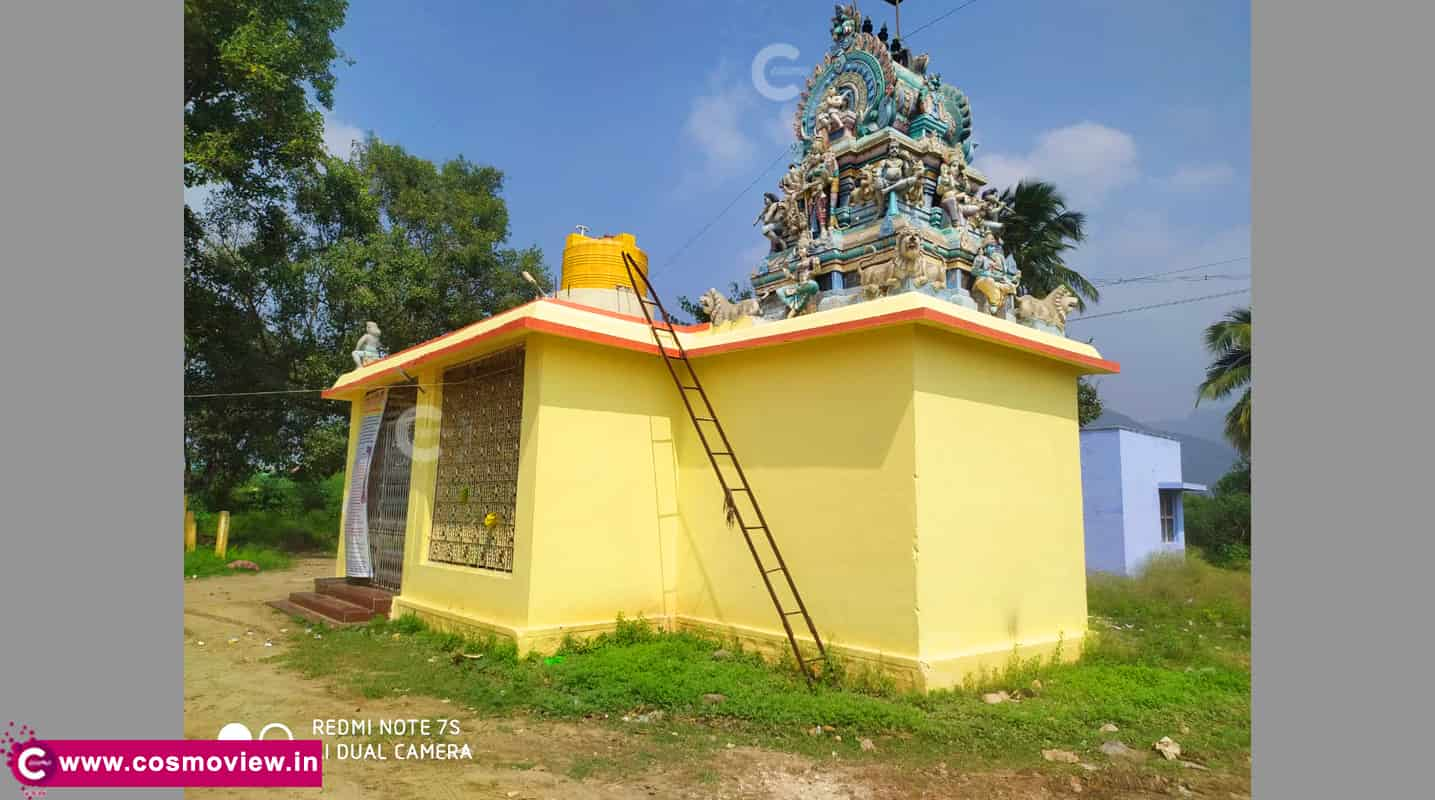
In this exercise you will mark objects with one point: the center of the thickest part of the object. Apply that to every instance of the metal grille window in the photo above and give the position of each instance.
(1168, 515)
(477, 481)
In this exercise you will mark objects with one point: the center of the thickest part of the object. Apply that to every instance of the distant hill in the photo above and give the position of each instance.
(1206, 422)
(1203, 460)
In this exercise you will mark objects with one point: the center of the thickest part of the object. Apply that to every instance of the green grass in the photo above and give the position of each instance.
(203, 563)
(1168, 649)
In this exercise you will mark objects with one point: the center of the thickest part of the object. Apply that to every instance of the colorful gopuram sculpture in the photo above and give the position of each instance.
(882, 196)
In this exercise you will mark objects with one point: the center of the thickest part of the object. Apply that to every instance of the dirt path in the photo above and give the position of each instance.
(517, 757)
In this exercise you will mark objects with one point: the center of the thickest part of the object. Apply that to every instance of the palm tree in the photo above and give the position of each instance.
(1036, 233)
(1229, 342)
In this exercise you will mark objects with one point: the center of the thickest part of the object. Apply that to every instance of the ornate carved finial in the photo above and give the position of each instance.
(845, 21)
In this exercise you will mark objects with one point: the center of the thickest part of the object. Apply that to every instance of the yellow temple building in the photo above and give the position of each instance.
(904, 410)
(894, 444)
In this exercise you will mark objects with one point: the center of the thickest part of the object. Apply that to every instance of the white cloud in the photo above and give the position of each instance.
(1087, 161)
(1143, 241)
(1202, 176)
(715, 124)
(340, 136)
(780, 126)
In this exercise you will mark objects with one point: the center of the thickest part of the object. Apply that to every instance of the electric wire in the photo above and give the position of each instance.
(1115, 281)
(934, 21)
(1183, 301)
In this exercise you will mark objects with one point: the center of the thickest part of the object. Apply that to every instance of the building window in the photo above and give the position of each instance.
(477, 482)
(1169, 499)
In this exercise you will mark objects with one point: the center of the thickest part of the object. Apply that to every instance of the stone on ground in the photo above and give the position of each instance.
(1169, 749)
(1118, 749)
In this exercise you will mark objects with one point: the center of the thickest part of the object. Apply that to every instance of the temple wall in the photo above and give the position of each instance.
(824, 429)
(604, 510)
(1000, 547)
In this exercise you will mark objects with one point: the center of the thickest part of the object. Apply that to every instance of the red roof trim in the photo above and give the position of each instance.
(522, 324)
(917, 315)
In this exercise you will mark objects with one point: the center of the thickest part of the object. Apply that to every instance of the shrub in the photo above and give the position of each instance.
(287, 530)
(1220, 526)
(324, 494)
(274, 511)
(267, 492)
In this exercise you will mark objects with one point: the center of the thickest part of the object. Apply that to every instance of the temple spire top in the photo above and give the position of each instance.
(897, 9)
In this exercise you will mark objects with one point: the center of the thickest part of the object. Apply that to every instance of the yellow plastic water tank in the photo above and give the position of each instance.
(597, 263)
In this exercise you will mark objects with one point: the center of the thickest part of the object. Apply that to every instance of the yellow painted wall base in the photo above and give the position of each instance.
(543, 640)
(906, 672)
(950, 671)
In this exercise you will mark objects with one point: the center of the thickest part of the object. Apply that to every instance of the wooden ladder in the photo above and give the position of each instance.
(700, 411)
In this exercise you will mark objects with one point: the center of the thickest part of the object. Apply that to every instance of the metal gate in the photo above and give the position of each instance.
(389, 487)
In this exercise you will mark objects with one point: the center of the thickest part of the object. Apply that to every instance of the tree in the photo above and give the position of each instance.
(276, 294)
(1220, 525)
(1237, 481)
(1229, 343)
(1037, 232)
(296, 249)
(250, 67)
(1088, 402)
(419, 249)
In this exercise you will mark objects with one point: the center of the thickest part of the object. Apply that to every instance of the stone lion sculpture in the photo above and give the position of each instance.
(722, 310)
(866, 189)
(880, 278)
(1051, 309)
(915, 265)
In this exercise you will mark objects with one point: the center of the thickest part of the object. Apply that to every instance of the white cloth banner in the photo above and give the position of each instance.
(356, 512)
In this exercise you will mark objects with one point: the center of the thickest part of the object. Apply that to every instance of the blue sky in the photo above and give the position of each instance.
(644, 117)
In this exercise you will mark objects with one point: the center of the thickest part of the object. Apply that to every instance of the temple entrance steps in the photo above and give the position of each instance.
(337, 602)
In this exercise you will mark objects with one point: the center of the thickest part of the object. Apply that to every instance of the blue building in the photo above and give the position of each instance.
(1131, 491)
